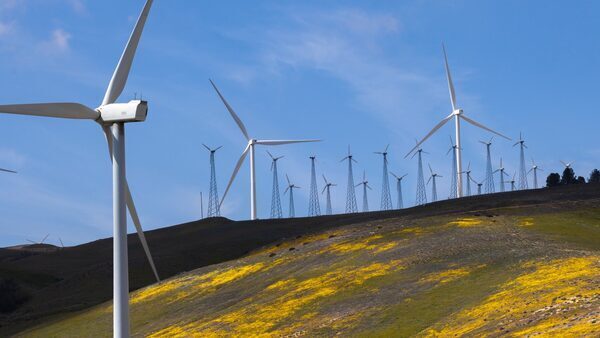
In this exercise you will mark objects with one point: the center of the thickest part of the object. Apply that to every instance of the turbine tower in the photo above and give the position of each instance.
(457, 114)
(433, 185)
(502, 172)
(453, 183)
(479, 184)
(214, 209)
(469, 178)
(512, 182)
(489, 172)
(249, 149)
(421, 193)
(365, 184)
(350, 195)
(386, 197)
(535, 169)
(291, 188)
(112, 117)
(399, 189)
(201, 206)
(314, 207)
(275, 199)
(327, 189)
(522, 171)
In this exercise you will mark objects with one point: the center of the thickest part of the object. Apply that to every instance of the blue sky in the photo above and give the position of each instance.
(347, 72)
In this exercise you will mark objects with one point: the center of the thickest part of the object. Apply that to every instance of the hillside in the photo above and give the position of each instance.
(517, 263)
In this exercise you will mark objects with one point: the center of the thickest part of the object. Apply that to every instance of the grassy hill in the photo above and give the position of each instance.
(519, 263)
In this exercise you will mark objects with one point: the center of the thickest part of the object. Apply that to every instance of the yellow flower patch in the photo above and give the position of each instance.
(549, 284)
(262, 319)
(466, 222)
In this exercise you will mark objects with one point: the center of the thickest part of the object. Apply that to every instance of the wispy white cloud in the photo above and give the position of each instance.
(57, 43)
(349, 44)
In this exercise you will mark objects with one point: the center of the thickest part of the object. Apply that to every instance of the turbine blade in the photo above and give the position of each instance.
(438, 126)
(324, 179)
(231, 112)
(394, 175)
(140, 231)
(477, 124)
(324, 188)
(119, 78)
(61, 110)
(235, 171)
(288, 179)
(132, 210)
(281, 142)
(8, 171)
(205, 146)
(430, 170)
(449, 78)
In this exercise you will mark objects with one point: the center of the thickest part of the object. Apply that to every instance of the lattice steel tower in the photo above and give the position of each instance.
(350, 195)
(214, 208)
(275, 199)
(314, 207)
(327, 188)
(291, 188)
(399, 189)
(522, 171)
(453, 185)
(469, 179)
(386, 197)
(489, 172)
(421, 193)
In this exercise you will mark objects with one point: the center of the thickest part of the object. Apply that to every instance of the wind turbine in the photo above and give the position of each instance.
(512, 182)
(365, 185)
(453, 182)
(214, 209)
(421, 192)
(112, 117)
(469, 178)
(399, 189)
(291, 188)
(457, 114)
(327, 188)
(502, 174)
(522, 171)
(535, 169)
(489, 173)
(40, 242)
(479, 184)
(350, 193)
(386, 197)
(567, 164)
(275, 199)
(249, 148)
(433, 185)
(314, 206)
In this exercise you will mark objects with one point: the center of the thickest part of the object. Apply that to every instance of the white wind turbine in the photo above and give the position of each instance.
(111, 117)
(327, 188)
(433, 183)
(457, 114)
(249, 148)
(567, 164)
(399, 189)
(291, 186)
(535, 168)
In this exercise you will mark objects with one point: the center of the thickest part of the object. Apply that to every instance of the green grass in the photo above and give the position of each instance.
(426, 308)
(581, 227)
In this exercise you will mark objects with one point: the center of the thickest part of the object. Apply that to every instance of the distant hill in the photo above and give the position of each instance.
(427, 269)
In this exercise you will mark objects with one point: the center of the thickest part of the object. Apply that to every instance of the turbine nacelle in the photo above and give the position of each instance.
(133, 111)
